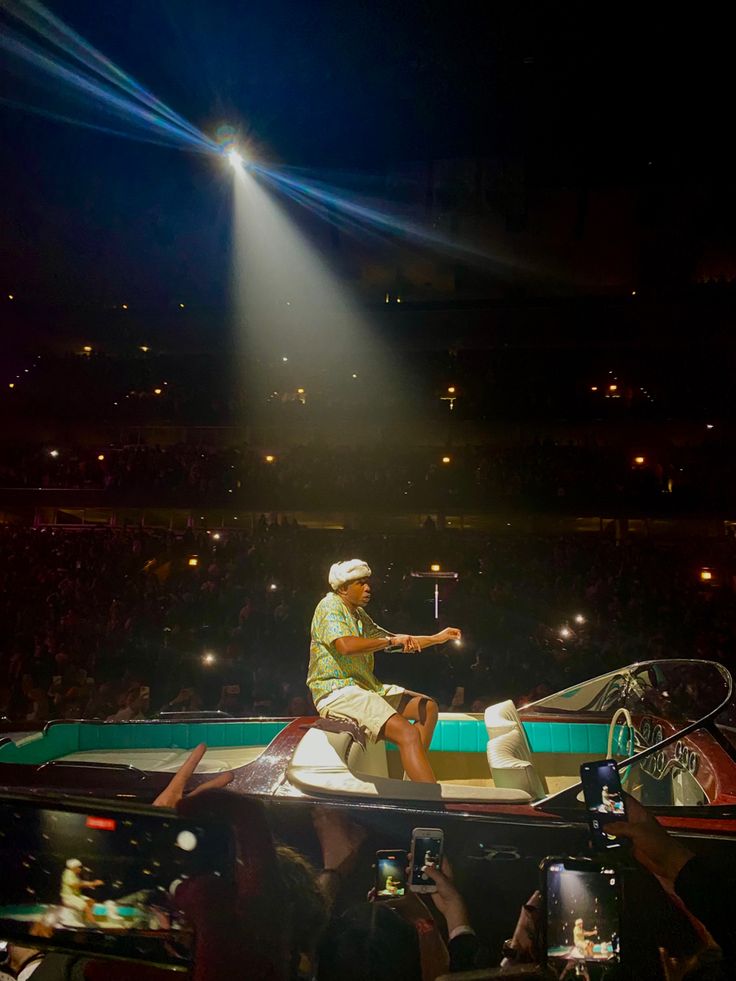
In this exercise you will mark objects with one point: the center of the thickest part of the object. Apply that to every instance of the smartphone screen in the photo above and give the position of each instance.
(86, 877)
(583, 901)
(426, 850)
(390, 874)
(604, 800)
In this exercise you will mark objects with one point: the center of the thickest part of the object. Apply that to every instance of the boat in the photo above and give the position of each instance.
(508, 794)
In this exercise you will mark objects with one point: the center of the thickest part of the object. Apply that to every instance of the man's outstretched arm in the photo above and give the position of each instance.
(366, 645)
(431, 640)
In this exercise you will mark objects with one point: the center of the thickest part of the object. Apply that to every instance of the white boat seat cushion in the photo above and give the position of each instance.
(319, 767)
(509, 753)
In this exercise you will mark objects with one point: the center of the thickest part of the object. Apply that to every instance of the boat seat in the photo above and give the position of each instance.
(509, 753)
(319, 767)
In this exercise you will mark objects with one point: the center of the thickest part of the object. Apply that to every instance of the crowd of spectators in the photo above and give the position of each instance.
(286, 918)
(544, 473)
(105, 622)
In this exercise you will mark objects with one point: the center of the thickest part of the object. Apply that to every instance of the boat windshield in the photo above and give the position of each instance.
(645, 708)
(676, 693)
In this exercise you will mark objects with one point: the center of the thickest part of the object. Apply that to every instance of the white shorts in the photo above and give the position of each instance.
(367, 709)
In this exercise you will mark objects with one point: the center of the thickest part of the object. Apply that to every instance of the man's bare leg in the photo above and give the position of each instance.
(411, 748)
(424, 711)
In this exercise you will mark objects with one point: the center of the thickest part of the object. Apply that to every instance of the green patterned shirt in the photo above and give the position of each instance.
(329, 670)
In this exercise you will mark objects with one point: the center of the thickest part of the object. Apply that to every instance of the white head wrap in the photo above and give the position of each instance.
(345, 572)
(73, 863)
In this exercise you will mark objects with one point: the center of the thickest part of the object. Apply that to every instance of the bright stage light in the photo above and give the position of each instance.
(565, 632)
(579, 618)
(234, 158)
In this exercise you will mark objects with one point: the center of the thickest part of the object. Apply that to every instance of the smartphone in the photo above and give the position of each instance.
(82, 876)
(390, 866)
(426, 849)
(604, 801)
(582, 916)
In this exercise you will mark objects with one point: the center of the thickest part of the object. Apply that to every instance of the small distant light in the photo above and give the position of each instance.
(579, 618)
(388, 298)
(435, 567)
(145, 348)
(709, 425)
(613, 388)
(398, 299)
(594, 388)
(451, 390)
(446, 459)
(284, 359)
(181, 306)
(633, 292)
(639, 460)
(216, 536)
(706, 575)
(53, 453)
(11, 384)
(355, 375)
(208, 658)
(157, 391)
(300, 391)
(269, 458)
(273, 587)
(565, 632)
(193, 561)
(100, 457)
(10, 296)
(87, 349)
(125, 306)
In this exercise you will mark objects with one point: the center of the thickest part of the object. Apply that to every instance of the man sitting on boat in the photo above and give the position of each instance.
(341, 678)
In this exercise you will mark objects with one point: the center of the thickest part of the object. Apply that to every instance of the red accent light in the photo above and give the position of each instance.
(102, 824)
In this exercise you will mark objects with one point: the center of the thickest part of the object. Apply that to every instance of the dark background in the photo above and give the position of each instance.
(574, 96)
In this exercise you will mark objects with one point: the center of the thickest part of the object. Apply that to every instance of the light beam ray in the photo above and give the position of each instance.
(54, 30)
(308, 191)
(104, 86)
(97, 127)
